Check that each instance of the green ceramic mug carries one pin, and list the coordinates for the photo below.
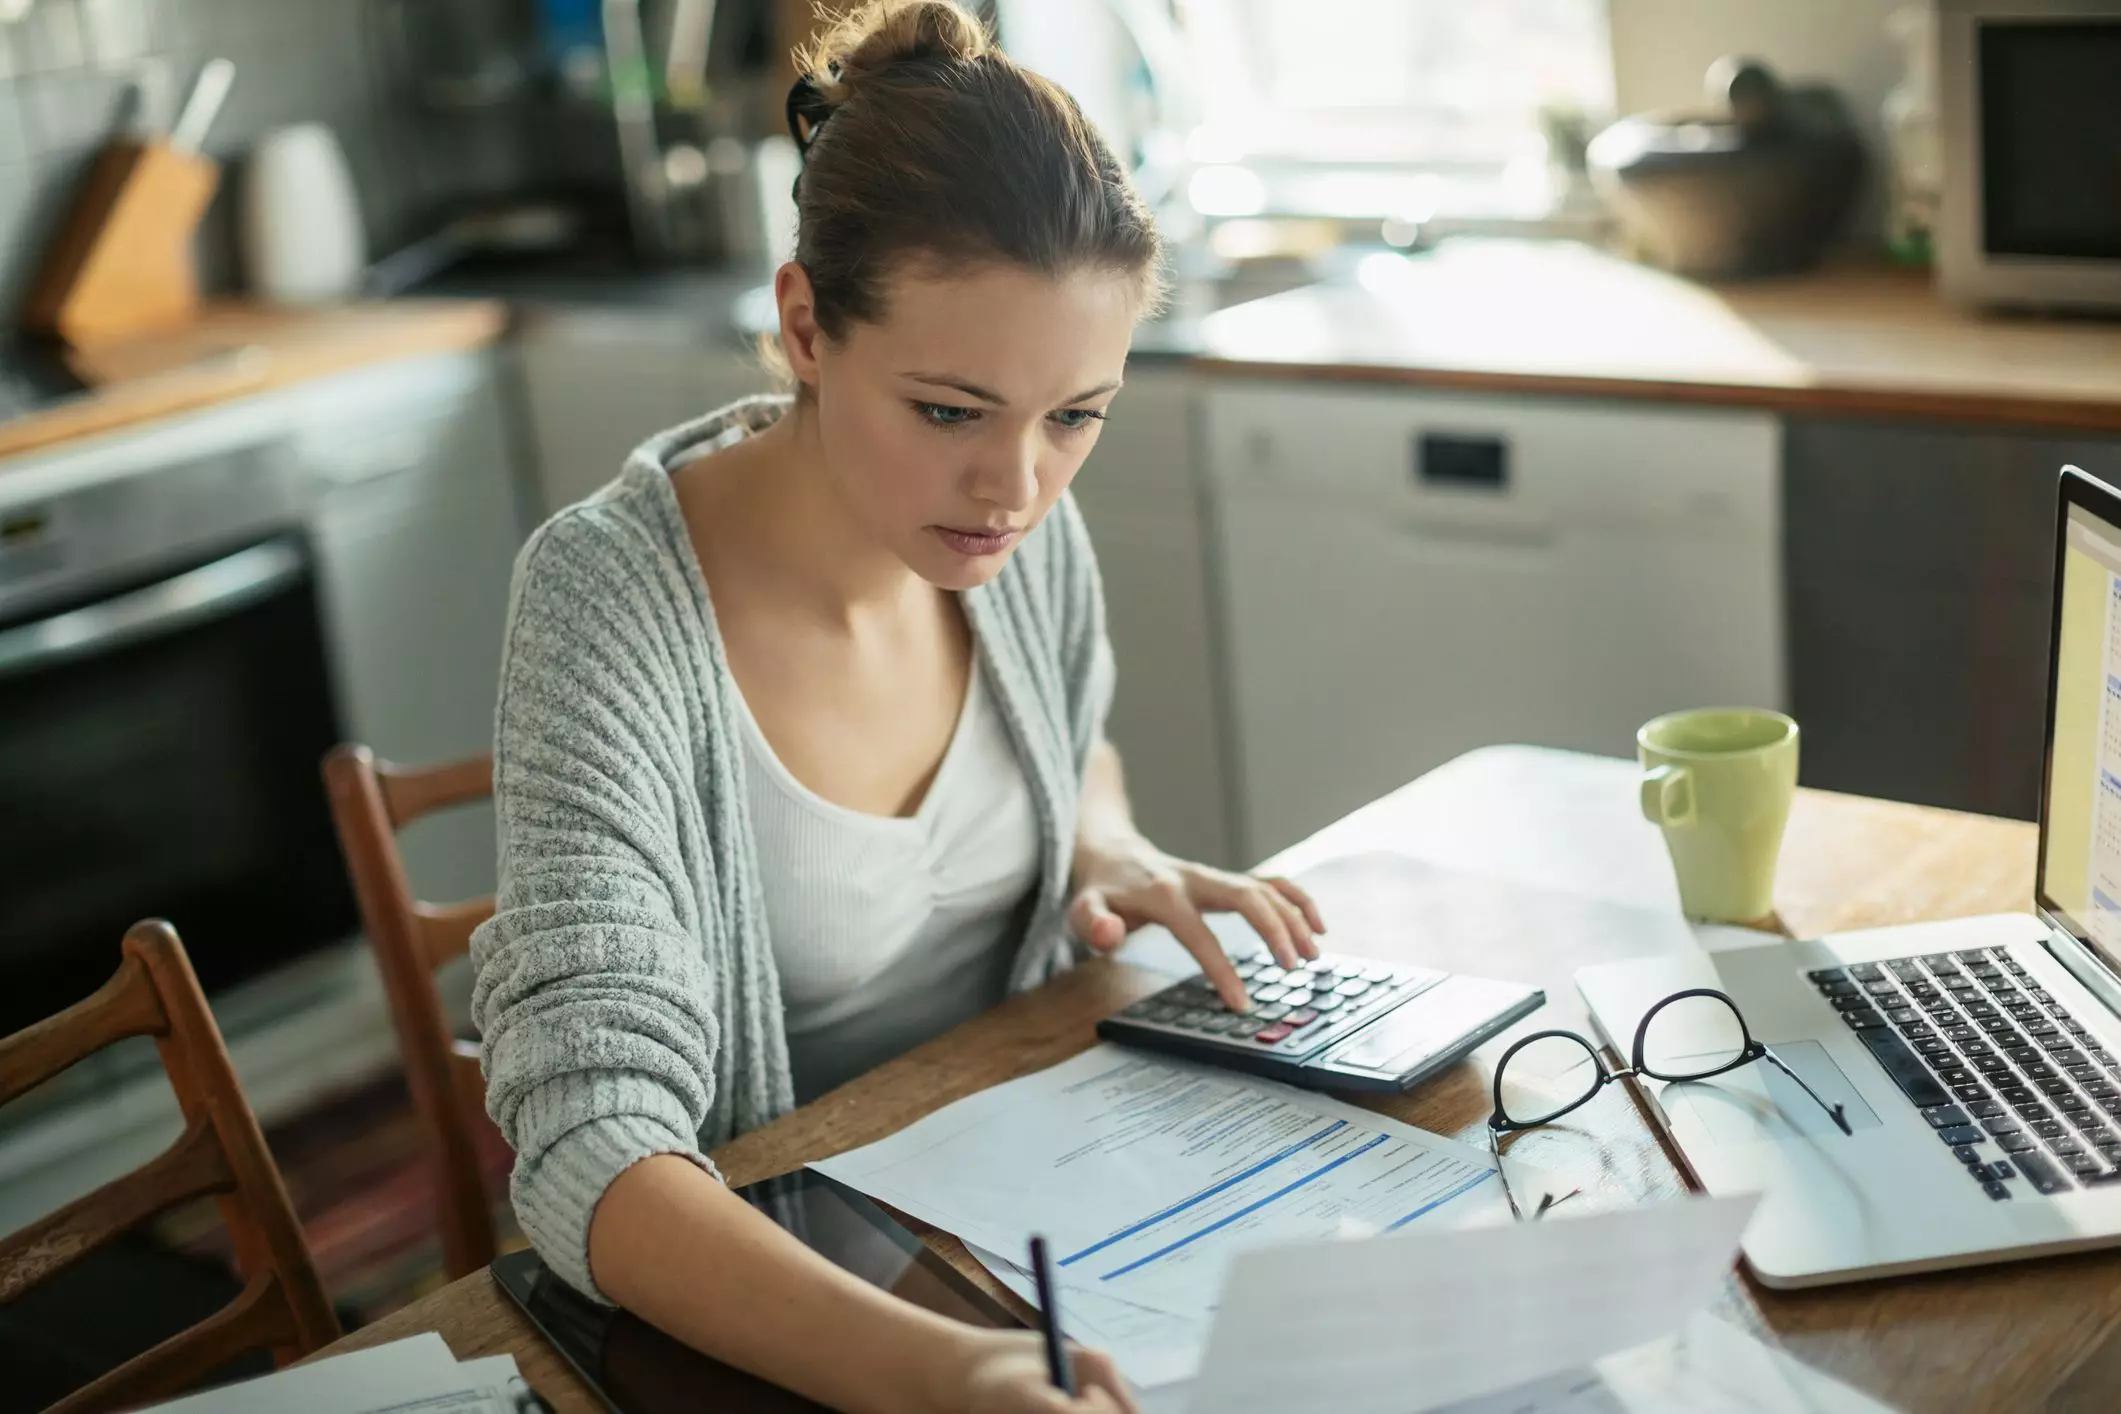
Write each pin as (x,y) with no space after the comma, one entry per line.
(1719,780)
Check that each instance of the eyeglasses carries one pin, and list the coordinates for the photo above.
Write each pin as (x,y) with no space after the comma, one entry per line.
(1690,1035)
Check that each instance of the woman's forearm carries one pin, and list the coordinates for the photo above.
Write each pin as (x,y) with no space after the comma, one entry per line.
(683,1253)
(1104,819)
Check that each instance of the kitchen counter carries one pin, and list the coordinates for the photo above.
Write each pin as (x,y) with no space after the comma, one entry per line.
(238,349)
(1511,316)
(1554,318)
(1541,318)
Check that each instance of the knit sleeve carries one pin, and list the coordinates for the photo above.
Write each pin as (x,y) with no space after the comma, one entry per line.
(597,1039)
(1085,649)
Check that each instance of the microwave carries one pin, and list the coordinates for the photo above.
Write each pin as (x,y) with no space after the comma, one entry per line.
(2029,113)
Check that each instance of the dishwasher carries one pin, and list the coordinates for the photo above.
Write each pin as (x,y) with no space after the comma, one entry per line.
(1406,575)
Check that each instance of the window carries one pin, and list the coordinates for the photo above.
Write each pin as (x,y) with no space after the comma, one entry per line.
(1451,89)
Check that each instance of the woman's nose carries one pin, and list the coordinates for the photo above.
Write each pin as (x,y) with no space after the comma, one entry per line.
(1008,477)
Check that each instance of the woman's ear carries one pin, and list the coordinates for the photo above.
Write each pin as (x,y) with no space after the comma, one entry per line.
(800,335)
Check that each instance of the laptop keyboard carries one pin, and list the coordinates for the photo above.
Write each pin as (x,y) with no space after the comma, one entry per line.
(2017,1087)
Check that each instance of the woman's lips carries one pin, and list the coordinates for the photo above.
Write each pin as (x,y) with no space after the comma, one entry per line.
(977,543)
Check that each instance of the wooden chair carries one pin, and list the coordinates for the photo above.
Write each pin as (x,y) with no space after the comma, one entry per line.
(221,1152)
(370,802)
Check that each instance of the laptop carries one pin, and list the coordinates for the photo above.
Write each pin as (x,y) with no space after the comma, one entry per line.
(1979,1060)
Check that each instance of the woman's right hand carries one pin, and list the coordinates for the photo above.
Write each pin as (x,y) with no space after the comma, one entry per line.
(1005,1373)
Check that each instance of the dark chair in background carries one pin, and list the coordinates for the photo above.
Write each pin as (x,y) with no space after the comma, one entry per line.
(221,1153)
(370,802)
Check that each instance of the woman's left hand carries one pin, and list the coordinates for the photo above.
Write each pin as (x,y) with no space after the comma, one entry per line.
(1120,889)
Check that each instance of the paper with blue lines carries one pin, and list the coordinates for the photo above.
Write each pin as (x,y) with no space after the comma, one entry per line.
(1147,1175)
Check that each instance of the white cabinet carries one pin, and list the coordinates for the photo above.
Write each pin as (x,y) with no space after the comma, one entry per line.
(597,382)
(416,525)
(1407,576)
(1140,494)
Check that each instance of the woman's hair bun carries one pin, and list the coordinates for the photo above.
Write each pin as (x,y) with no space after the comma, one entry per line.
(875,35)
(920,137)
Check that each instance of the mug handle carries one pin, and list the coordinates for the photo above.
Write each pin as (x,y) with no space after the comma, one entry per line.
(1668,796)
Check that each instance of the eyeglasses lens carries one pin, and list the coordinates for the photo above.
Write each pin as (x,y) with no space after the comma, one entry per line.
(1692,1036)
(1546,1077)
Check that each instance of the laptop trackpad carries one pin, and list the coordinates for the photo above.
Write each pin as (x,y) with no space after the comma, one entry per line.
(1761,1103)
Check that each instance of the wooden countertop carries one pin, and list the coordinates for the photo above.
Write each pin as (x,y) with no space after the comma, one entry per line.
(2031,1335)
(1558,318)
(237,349)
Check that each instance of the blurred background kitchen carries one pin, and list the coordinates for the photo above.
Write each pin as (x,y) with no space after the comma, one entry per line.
(1532,367)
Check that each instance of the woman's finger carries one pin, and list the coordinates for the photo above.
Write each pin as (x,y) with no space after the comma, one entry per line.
(1295,894)
(1098,1377)
(1293,917)
(1093,920)
(1257,907)
(1176,910)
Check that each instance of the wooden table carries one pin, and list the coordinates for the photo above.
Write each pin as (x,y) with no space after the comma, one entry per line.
(2040,1335)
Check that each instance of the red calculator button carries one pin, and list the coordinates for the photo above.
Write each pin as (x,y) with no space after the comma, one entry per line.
(1298,1020)
(1279,1031)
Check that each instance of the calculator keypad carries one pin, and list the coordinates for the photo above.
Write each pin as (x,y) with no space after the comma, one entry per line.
(1293,1013)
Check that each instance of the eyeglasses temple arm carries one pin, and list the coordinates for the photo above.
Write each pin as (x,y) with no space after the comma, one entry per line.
(1495,1148)
(1840,1118)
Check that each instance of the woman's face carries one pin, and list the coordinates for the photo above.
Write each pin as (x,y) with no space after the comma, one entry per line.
(952,425)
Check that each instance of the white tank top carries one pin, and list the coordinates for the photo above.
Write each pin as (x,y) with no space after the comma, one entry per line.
(889,931)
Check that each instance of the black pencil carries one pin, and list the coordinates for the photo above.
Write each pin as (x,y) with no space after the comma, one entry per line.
(1049,1317)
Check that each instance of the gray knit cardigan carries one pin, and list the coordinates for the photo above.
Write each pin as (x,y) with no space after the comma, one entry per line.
(626,994)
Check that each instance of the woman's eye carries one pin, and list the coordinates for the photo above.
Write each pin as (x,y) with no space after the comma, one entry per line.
(946,414)
(1076,419)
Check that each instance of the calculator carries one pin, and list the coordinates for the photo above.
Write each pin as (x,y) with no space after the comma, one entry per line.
(1339,1023)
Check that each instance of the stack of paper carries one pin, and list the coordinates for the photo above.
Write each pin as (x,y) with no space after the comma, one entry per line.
(1706,1367)
(1147,1176)
(1199,1218)
(418,1373)
(1603,1313)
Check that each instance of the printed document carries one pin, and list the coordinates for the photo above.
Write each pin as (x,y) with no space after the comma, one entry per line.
(1147,1175)
(1424,1320)
(1152,1347)
(1707,1367)
(417,1375)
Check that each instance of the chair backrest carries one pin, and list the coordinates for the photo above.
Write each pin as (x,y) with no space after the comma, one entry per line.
(370,802)
(221,1152)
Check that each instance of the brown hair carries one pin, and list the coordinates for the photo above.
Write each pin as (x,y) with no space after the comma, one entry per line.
(922,139)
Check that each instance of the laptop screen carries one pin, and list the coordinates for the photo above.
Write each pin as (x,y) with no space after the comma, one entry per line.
(2080,815)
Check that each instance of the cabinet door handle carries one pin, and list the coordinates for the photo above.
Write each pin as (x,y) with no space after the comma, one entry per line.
(209,592)
(371,460)
(1490,536)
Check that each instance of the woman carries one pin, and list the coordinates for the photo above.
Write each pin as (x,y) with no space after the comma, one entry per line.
(799,748)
